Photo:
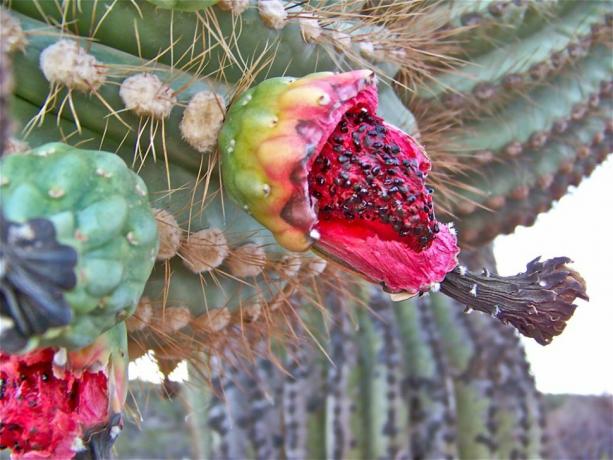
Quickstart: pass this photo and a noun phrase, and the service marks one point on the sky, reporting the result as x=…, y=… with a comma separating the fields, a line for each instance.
x=579, y=226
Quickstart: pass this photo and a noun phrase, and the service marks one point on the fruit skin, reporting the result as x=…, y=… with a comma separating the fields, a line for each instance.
x=70, y=402
x=98, y=207
x=272, y=135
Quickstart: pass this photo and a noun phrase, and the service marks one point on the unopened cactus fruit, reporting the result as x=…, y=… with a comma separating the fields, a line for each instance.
x=77, y=246
x=62, y=405
x=311, y=160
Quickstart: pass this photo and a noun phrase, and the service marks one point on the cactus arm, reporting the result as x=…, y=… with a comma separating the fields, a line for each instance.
x=228, y=42
x=430, y=397
x=538, y=48
x=388, y=419
x=472, y=400
x=95, y=115
x=520, y=123
x=528, y=169
x=345, y=409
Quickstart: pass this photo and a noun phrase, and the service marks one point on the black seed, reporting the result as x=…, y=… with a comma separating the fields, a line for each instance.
x=411, y=198
x=365, y=166
x=338, y=180
x=362, y=128
x=394, y=148
x=376, y=170
x=347, y=184
x=377, y=145
x=430, y=190
x=398, y=181
x=436, y=228
x=380, y=129
x=344, y=129
x=384, y=196
x=363, y=192
x=338, y=139
x=393, y=189
x=372, y=133
x=343, y=159
x=320, y=180
x=338, y=148
x=423, y=239
x=316, y=194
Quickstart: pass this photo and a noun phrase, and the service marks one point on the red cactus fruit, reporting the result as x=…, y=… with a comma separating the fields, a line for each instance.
x=312, y=161
x=62, y=405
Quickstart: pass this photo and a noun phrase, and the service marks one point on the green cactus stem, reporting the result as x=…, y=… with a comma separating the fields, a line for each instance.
x=485, y=77
x=226, y=41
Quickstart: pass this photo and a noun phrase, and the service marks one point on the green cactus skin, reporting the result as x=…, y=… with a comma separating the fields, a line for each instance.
x=490, y=23
x=521, y=121
x=539, y=162
x=215, y=32
x=100, y=208
x=485, y=77
x=93, y=114
x=429, y=392
x=184, y=5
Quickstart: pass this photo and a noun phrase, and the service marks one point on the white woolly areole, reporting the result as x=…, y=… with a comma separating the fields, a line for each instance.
x=214, y=320
x=310, y=28
x=204, y=250
x=367, y=50
x=12, y=37
x=141, y=317
x=66, y=63
x=202, y=120
x=247, y=260
x=272, y=13
x=341, y=40
x=172, y=319
x=315, y=266
x=146, y=94
x=169, y=234
x=15, y=146
x=235, y=6
x=290, y=266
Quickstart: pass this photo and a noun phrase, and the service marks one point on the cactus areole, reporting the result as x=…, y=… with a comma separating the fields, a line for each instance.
x=311, y=160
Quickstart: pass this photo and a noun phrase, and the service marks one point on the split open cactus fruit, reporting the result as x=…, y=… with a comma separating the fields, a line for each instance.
x=312, y=161
x=78, y=243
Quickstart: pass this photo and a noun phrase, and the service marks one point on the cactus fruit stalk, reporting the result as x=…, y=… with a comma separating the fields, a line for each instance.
x=64, y=404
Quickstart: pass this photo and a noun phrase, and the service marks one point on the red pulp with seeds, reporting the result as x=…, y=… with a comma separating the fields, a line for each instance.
x=43, y=415
x=375, y=214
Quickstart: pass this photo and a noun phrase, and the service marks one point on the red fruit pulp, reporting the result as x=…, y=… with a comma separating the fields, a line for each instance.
x=375, y=214
x=41, y=415
x=368, y=172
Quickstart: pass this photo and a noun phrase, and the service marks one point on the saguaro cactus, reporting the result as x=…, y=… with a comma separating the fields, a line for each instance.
x=153, y=83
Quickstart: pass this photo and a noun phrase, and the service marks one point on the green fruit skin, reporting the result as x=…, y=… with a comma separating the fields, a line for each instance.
x=100, y=208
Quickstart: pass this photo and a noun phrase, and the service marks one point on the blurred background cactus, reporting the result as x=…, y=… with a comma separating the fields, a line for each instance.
x=288, y=356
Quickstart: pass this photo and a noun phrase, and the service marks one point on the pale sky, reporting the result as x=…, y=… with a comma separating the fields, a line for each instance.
x=580, y=226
